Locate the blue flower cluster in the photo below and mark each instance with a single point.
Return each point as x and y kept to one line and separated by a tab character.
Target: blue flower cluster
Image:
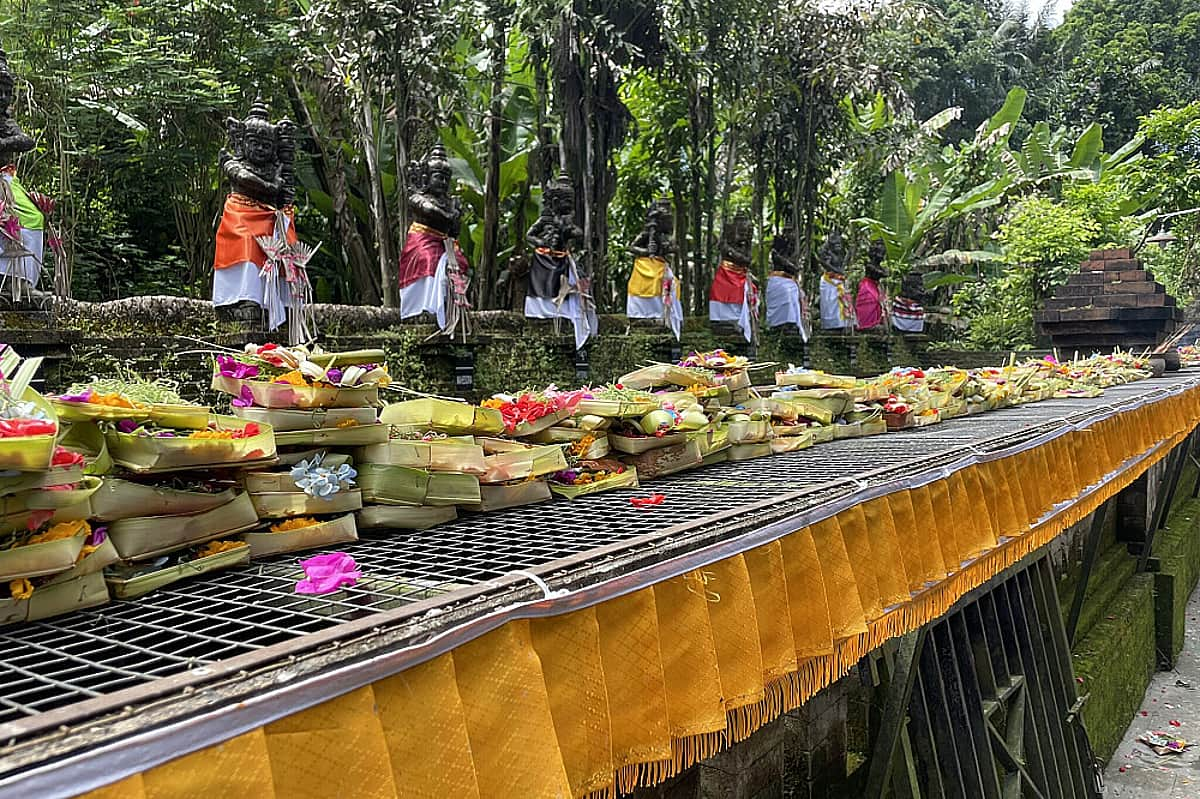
317	480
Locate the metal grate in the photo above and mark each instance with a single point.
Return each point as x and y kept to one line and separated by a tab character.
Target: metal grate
98	652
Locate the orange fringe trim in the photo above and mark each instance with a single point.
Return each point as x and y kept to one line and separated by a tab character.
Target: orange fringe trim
816	673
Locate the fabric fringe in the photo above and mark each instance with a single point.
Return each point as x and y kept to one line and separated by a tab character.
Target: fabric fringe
814	674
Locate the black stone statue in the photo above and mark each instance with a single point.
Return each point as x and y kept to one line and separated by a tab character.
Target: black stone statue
557	289
655	240
259	158
13	140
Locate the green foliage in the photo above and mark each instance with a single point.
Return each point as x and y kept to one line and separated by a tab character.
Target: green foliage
1047	241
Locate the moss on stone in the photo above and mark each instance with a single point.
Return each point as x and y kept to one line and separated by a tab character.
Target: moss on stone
1114	663
1178	550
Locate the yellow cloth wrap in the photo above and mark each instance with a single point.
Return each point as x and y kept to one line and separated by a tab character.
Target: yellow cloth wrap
892	574
1017	495
689	657
931	539
507	711
775	642
569	649
922	542
408	727
630	655
646	280
994	479
846	614
862	563
734	621
241	767
630	691
345	731
807	605
947	525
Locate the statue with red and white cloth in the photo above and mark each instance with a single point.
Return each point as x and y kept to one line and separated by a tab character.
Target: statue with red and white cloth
733	296
434	273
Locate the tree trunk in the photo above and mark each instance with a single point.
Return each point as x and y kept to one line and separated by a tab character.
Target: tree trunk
331	174
488	269
388	267
400	145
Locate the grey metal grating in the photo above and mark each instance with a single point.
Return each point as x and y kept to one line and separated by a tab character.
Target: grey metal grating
57	663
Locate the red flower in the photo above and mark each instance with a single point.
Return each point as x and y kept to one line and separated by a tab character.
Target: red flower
66	458
20	428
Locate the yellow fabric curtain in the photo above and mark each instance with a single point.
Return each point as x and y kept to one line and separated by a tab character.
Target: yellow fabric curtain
638	687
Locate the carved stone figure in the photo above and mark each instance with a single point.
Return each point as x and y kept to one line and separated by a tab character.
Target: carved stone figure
733	296
557	289
787	305
653	290
837	306
259	260
434	273
871	302
22	222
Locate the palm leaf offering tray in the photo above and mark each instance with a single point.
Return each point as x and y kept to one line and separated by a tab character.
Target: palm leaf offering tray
299	534
435	454
122	499
286	395
745	452
400	485
284	420
149	536
402	517
352	436
223	441
592	477
810	378
270	376
499	497
512	460
132	581
443	416
55	599
282	504
668	460
88	440
41	555
791	443
28	427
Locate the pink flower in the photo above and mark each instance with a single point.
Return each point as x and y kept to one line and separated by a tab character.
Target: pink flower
44	203
229	367
328	572
245	399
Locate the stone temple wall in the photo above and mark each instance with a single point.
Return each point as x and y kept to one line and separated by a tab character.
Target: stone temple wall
169	336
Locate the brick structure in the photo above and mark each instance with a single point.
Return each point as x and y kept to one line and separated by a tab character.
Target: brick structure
1111	302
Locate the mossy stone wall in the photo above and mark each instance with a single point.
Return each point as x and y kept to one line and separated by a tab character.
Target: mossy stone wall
1114	663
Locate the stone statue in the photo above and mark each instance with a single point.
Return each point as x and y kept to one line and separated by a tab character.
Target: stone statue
837	306
653	291
871	302
787	305
22	221
733	296
557	290
259	261
434	273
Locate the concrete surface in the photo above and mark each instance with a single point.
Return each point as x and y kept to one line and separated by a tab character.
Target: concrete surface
1135	770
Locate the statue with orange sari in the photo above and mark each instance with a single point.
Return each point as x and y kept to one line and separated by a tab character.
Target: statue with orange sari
259	259
733	296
